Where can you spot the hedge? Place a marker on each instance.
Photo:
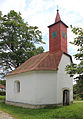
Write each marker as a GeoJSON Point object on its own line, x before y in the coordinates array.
{"type": "Point", "coordinates": [2, 93]}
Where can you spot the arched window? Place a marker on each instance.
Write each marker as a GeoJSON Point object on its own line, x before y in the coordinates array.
{"type": "Point", "coordinates": [17, 86]}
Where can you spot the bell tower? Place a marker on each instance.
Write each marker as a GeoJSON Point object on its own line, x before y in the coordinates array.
{"type": "Point", "coordinates": [58, 35]}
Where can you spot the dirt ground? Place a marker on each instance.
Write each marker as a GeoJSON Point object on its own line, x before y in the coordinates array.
{"type": "Point", "coordinates": [4, 115]}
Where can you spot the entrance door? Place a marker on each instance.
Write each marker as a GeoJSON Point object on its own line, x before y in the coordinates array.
{"type": "Point", "coordinates": [66, 97]}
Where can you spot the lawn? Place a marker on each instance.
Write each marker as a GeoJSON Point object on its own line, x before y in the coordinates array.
{"type": "Point", "coordinates": [2, 97]}
{"type": "Point", "coordinates": [74, 111]}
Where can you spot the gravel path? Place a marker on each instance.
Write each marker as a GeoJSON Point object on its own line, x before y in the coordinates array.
{"type": "Point", "coordinates": [4, 115]}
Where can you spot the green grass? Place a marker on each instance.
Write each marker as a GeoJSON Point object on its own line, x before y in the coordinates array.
{"type": "Point", "coordinates": [77, 100]}
{"type": "Point", "coordinates": [2, 97]}
{"type": "Point", "coordinates": [74, 111]}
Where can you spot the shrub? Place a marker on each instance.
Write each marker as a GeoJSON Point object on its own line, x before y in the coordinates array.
{"type": "Point", "coordinates": [2, 93]}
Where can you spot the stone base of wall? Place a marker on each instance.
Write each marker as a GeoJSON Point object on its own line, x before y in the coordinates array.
{"type": "Point", "coordinates": [24, 105]}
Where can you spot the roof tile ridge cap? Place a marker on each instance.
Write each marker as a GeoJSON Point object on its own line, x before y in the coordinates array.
{"type": "Point", "coordinates": [47, 53]}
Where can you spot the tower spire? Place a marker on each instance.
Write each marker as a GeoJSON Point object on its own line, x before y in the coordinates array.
{"type": "Point", "coordinates": [57, 16]}
{"type": "Point", "coordinates": [58, 35]}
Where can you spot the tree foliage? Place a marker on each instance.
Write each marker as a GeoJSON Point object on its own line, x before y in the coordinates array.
{"type": "Point", "coordinates": [78, 89]}
{"type": "Point", "coordinates": [3, 82]}
{"type": "Point", "coordinates": [77, 68]}
{"type": "Point", "coordinates": [78, 41]}
{"type": "Point", "coordinates": [17, 41]}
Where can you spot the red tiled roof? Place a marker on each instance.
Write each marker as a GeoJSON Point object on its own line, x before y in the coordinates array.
{"type": "Point", "coordinates": [1, 86]}
{"type": "Point", "coordinates": [44, 61]}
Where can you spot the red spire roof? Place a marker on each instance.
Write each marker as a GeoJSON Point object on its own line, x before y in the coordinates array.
{"type": "Point", "coordinates": [57, 17]}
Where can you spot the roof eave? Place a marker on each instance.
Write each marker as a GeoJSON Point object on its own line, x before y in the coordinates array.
{"type": "Point", "coordinates": [69, 56]}
{"type": "Point", "coordinates": [56, 23]}
{"type": "Point", "coordinates": [53, 69]}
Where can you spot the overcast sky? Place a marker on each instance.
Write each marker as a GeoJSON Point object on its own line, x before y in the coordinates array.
{"type": "Point", "coordinates": [42, 13]}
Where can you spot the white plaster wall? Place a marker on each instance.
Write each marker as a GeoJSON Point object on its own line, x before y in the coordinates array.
{"type": "Point", "coordinates": [36, 87]}
{"type": "Point", "coordinates": [27, 88]}
{"type": "Point", "coordinates": [41, 87]}
{"type": "Point", "coordinates": [46, 87]}
{"type": "Point", "coordinates": [64, 80]}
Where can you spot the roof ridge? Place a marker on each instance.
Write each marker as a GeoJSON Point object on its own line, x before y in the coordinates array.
{"type": "Point", "coordinates": [28, 60]}
{"type": "Point", "coordinates": [56, 23]}
{"type": "Point", "coordinates": [41, 59]}
{"type": "Point", "coordinates": [35, 56]}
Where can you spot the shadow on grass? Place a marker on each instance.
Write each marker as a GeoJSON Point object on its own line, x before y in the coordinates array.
{"type": "Point", "coordinates": [52, 107]}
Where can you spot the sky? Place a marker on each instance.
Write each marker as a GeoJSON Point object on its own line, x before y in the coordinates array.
{"type": "Point", "coordinates": [42, 13]}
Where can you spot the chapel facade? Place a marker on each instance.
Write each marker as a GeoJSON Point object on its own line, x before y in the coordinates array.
{"type": "Point", "coordinates": [42, 79]}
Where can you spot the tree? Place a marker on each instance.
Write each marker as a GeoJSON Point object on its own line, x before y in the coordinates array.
{"type": "Point", "coordinates": [77, 68]}
{"type": "Point", "coordinates": [3, 82]}
{"type": "Point", "coordinates": [78, 89]}
{"type": "Point", "coordinates": [17, 41]}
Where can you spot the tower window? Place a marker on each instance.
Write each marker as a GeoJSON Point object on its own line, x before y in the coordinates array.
{"type": "Point", "coordinates": [63, 34]}
{"type": "Point", "coordinates": [54, 34]}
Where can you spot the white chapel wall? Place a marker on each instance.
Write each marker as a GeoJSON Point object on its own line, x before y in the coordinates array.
{"type": "Point", "coordinates": [27, 88]}
{"type": "Point", "coordinates": [41, 87]}
{"type": "Point", "coordinates": [64, 80]}
{"type": "Point", "coordinates": [35, 88]}
{"type": "Point", "coordinates": [46, 87]}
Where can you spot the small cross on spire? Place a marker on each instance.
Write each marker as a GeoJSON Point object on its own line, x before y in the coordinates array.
{"type": "Point", "coordinates": [57, 15]}
{"type": "Point", "coordinates": [57, 8]}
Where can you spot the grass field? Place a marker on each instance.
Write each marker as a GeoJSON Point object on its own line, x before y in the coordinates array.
{"type": "Point", "coordinates": [2, 97]}
{"type": "Point", "coordinates": [74, 111]}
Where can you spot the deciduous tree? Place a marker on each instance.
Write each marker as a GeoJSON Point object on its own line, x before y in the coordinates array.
{"type": "Point", "coordinates": [77, 68]}
{"type": "Point", "coordinates": [17, 41]}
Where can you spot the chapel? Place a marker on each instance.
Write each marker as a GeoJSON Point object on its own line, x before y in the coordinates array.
{"type": "Point", "coordinates": [42, 80]}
